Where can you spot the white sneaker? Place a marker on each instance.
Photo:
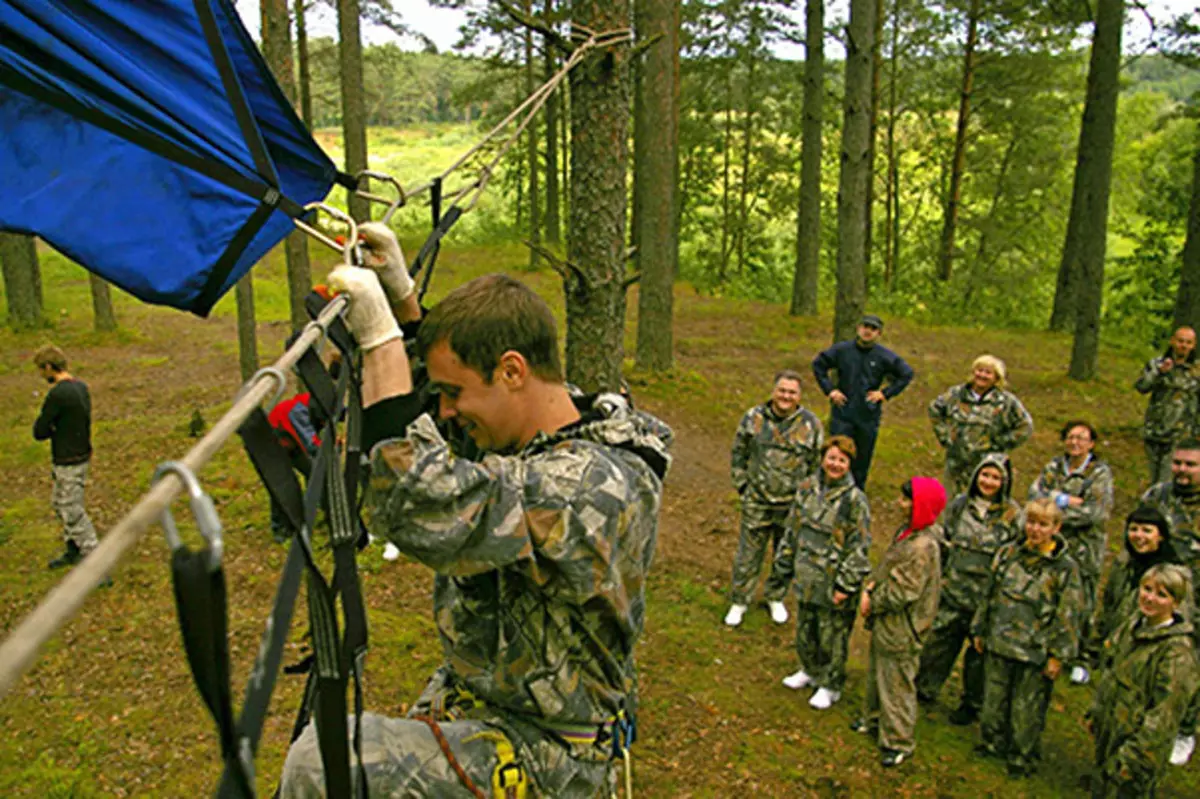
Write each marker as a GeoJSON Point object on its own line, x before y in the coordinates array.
{"type": "Point", "coordinates": [734, 617]}
{"type": "Point", "coordinates": [823, 699]}
{"type": "Point", "coordinates": [390, 551]}
{"type": "Point", "coordinates": [1080, 676]}
{"type": "Point", "coordinates": [779, 613]}
{"type": "Point", "coordinates": [1182, 751]}
{"type": "Point", "coordinates": [797, 681]}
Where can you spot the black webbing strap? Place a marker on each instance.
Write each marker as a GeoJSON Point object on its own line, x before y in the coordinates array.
{"type": "Point", "coordinates": [203, 621]}
{"type": "Point", "coordinates": [318, 382]}
{"type": "Point", "coordinates": [427, 256]}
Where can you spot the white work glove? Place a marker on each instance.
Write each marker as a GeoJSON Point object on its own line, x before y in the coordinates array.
{"type": "Point", "coordinates": [369, 316]}
{"type": "Point", "coordinates": [382, 253]}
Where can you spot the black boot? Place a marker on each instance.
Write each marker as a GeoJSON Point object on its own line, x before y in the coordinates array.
{"type": "Point", "coordinates": [963, 715]}
{"type": "Point", "coordinates": [70, 557]}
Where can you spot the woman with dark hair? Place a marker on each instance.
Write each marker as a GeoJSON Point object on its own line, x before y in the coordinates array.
{"type": "Point", "coordinates": [1081, 484]}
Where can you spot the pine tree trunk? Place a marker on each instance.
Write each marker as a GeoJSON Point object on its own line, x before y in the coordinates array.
{"type": "Point", "coordinates": [958, 160]}
{"type": "Point", "coordinates": [726, 159]}
{"type": "Point", "coordinates": [1094, 161]}
{"type": "Point", "coordinates": [744, 180]}
{"type": "Point", "coordinates": [553, 223]}
{"type": "Point", "coordinates": [277, 51]}
{"type": "Point", "coordinates": [354, 114]}
{"type": "Point", "coordinates": [531, 146]}
{"type": "Point", "coordinates": [1187, 301]}
{"type": "Point", "coordinates": [104, 320]}
{"type": "Point", "coordinates": [305, 79]}
{"type": "Point", "coordinates": [655, 175]}
{"type": "Point", "coordinates": [22, 281]}
{"type": "Point", "coordinates": [891, 240]}
{"type": "Point", "coordinates": [876, 76]}
{"type": "Point", "coordinates": [808, 218]}
{"type": "Point", "coordinates": [595, 301]}
{"type": "Point", "coordinates": [246, 327]}
{"type": "Point", "coordinates": [855, 171]}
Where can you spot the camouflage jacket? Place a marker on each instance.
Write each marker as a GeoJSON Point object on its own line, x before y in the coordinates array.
{"type": "Point", "coordinates": [970, 539]}
{"type": "Point", "coordinates": [541, 557]}
{"type": "Point", "coordinates": [1184, 517]}
{"type": "Point", "coordinates": [771, 455]}
{"type": "Point", "coordinates": [826, 541]}
{"type": "Point", "coordinates": [1034, 605]}
{"type": "Point", "coordinates": [905, 597]}
{"type": "Point", "coordinates": [1174, 400]}
{"type": "Point", "coordinates": [1118, 600]}
{"type": "Point", "coordinates": [967, 427]}
{"type": "Point", "coordinates": [1147, 676]}
{"type": "Point", "coordinates": [1082, 526]}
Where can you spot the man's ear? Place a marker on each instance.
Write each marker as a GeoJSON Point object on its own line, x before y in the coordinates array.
{"type": "Point", "coordinates": [512, 370]}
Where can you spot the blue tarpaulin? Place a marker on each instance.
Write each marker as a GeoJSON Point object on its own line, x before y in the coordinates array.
{"type": "Point", "coordinates": [148, 141]}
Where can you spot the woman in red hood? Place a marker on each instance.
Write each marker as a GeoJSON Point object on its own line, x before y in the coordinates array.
{"type": "Point", "coordinates": [898, 606]}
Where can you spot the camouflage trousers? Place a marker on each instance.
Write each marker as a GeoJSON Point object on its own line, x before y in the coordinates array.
{"type": "Point", "coordinates": [1016, 696]}
{"type": "Point", "coordinates": [951, 628]}
{"type": "Point", "coordinates": [761, 525]}
{"type": "Point", "coordinates": [891, 704]}
{"type": "Point", "coordinates": [67, 501]}
{"type": "Point", "coordinates": [1158, 459]}
{"type": "Point", "coordinates": [823, 642]}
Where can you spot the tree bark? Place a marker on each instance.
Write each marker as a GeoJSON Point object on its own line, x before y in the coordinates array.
{"type": "Point", "coordinates": [876, 76]}
{"type": "Point", "coordinates": [595, 297]}
{"type": "Point", "coordinates": [354, 114]}
{"type": "Point", "coordinates": [104, 320]}
{"type": "Point", "coordinates": [655, 176]}
{"type": "Point", "coordinates": [749, 103]}
{"type": "Point", "coordinates": [726, 159]}
{"type": "Point", "coordinates": [891, 234]}
{"type": "Point", "coordinates": [246, 327]}
{"type": "Point", "coordinates": [553, 222]}
{"type": "Point", "coordinates": [958, 160]}
{"type": "Point", "coordinates": [808, 218]}
{"type": "Point", "coordinates": [855, 171]}
{"type": "Point", "coordinates": [305, 79]}
{"type": "Point", "coordinates": [1094, 163]}
{"type": "Point", "coordinates": [531, 146]}
{"type": "Point", "coordinates": [1187, 301]}
{"type": "Point", "coordinates": [22, 281]}
{"type": "Point", "coordinates": [277, 51]}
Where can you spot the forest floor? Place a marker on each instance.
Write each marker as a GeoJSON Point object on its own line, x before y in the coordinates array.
{"type": "Point", "coordinates": [110, 709]}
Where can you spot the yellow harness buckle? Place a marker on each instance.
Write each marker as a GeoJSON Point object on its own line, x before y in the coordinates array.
{"type": "Point", "coordinates": [508, 778]}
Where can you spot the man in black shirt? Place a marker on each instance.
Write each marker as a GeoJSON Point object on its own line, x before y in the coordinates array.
{"type": "Point", "coordinates": [66, 419]}
{"type": "Point", "coordinates": [862, 367]}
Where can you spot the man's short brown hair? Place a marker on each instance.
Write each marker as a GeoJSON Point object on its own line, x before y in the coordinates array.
{"type": "Point", "coordinates": [488, 316]}
{"type": "Point", "coordinates": [51, 356]}
{"type": "Point", "coordinates": [787, 374]}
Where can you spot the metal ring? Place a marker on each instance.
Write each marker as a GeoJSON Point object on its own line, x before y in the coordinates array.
{"type": "Point", "coordinates": [392, 205]}
{"type": "Point", "coordinates": [349, 249]}
{"type": "Point", "coordinates": [281, 384]}
{"type": "Point", "coordinates": [203, 511]}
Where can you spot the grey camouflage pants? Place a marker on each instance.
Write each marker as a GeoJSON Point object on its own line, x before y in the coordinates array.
{"type": "Point", "coordinates": [823, 642]}
{"type": "Point", "coordinates": [1016, 697]}
{"type": "Point", "coordinates": [891, 703]}
{"type": "Point", "coordinates": [1158, 458]}
{"type": "Point", "coordinates": [762, 525]}
{"type": "Point", "coordinates": [67, 500]}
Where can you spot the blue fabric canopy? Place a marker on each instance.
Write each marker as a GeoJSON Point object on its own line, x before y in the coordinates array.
{"type": "Point", "coordinates": [147, 140]}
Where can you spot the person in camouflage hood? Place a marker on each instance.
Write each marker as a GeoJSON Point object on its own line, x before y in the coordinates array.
{"type": "Point", "coordinates": [541, 550]}
{"type": "Point", "coordinates": [1026, 627]}
{"type": "Point", "coordinates": [825, 546]}
{"type": "Point", "coordinates": [1148, 671]}
{"type": "Point", "coordinates": [777, 445]}
{"type": "Point", "coordinates": [978, 417]}
{"type": "Point", "coordinates": [898, 605]}
{"type": "Point", "coordinates": [1081, 484]}
{"type": "Point", "coordinates": [1173, 382]}
{"type": "Point", "coordinates": [975, 525]}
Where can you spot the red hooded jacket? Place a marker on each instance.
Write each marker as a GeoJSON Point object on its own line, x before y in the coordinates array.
{"type": "Point", "coordinates": [929, 498]}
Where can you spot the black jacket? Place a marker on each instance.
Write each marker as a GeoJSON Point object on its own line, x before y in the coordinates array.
{"type": "Point", "coordinates": [859, 371]}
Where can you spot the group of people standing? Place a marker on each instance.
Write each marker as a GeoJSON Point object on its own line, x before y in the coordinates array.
{"type": "Point", "coordinates": [1018, 587]}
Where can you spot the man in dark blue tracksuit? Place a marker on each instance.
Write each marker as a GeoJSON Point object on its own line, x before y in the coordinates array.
{"type": "Point", "coordinates": [862, 367]}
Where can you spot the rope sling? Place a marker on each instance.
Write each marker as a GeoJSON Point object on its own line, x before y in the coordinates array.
{"type": "Point", "coordinates": [334, 485]}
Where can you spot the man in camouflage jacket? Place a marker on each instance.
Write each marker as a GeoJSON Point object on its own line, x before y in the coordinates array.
{"type": "Point", "coordinates": [825, 548]}
{"type": "Point", "coordinates": [1173, 382]}
{"type": "Point", "coordinates": [1026, 628]}
{"type": "Point", "coordinates": [776, 446]}
{"type": "Point", "coordinates": [1081, 484]}
{"type": "Point", "coordinates": [541, 549]}
{"type": "Point", "coordinates": [975, 418]}
{"type": "Point", "coordinates": [972, 529]}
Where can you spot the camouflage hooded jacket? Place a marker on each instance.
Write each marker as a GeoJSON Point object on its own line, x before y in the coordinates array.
{"type": "Point", "coordinates": [1183, 513]}
{"type": "Point", "coordinates": [1147, 676]}
{"type": "Point", "coordinates": [970, 538]}
{"type": "Point", "coordinates": [541, 556]}
{"type": "Point", "coordinates": [772, 454]}
{"type": "Point", "coordinates": [1033, 608]}
{"type": "Point", "coordinates": [826, 541]}
{"type": "Point", "coordinates": [1082, 526]}
{"type": "Point", "coordinates": [967, 427]}
{"type": "Point", "coordinates": [1174, 399]}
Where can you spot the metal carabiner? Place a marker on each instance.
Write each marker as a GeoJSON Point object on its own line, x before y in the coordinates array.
{"type": "Point", "coordinates": [392, 205]}
{"type": "Point", "coordinates": [280, 385]}
{"type": "Point", "coordinates": [350, 250]}
{"type": "Point", "coordinates": [203, 511]}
